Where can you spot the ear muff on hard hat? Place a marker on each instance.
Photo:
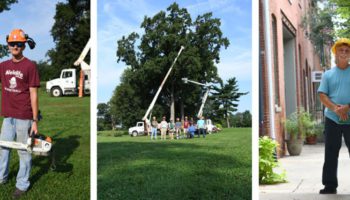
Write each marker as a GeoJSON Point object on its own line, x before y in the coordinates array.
{"type": "Point", "coordinates": [18, 35]}
{"type": "Point", "coordinates": [339, 42]}
{"type": "Point", "coordinates": [31, 43]}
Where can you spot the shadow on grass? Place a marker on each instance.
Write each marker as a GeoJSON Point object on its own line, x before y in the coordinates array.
{"type": "Point", "coordinates": [62, 149]}
{"type": "Point", "coordinates": [163, 170]}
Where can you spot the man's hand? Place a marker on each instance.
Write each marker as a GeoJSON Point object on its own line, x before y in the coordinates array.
{"type": "Point", "coordinates": [34, 128]}
{"type": "Point", "coordinates": [342, 112]}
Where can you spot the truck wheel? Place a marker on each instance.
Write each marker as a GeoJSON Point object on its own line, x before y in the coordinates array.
{"type": "Point", "coordinates": [134, 133]}
{"type": "Point", "coordinates": [56, 92]}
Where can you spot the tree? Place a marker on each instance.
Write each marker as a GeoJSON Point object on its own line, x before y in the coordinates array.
{"type": "Point", "coordinates": [342, 8]}
{"type": "Point", "coordinates": [247, 119]}
{"type": "Point", "coordinates": [5, 5]}
{"type": "Point", "coordinates": [70, 32]}
{"type": "Point", "coordinates": [104, 120]}
{"type": "Point", "coordinates": [125, 105]}
{"type": "Point", "coordinates": [319, 27]}
{"type": "Point", "coordinates": [227, 97]}
{"type": "Point", "coordinates": [46, 71]}
{"type": "Point", "coordinates": [164, 34]}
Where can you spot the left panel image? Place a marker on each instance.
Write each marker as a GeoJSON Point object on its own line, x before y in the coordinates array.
{"type": "Point", "coordinates": [45, 99]}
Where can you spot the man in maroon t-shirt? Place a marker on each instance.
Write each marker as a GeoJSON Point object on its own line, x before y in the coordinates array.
{"type": "Point", "coordinates": [186, 126]}
{"type": "Point", "coordinates": [19, 82]}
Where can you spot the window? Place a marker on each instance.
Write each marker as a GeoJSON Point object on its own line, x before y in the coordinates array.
{"type": "Point", "coordinates": [67, 74]}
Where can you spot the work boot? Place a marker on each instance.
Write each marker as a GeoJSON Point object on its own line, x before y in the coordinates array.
{"type": "Point", "coordinates": [328, 190]}
{"type": "Point", "coordinates": [18, 193]}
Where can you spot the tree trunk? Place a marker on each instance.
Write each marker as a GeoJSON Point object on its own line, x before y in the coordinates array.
{"type": "Point", "coordinates": [182, 110]}
{"type": "Point", "coordinates": [228, 121]}
{"type": "Point", "coordinates": [112, 123]}
{"type": "Point", "coordinates": [172, 103]}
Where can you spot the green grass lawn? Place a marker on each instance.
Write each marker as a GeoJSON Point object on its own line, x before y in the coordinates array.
{"type": "Point", "coordinates": [67, 121]}
{"type": "Point", "coordinates": [217, 167]}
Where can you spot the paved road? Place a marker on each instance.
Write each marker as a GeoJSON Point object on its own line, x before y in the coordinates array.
{"type": "Point", "coordinates": [304, 175]}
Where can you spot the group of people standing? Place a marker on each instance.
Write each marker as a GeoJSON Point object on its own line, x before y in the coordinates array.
{"type": "Point", "coordinates": [181, 129]}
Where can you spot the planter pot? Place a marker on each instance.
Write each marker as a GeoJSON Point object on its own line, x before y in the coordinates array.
{"type": "Point", "coordinates": [311, 139]}
{"type": "Point", "coordinates": [294, 147]}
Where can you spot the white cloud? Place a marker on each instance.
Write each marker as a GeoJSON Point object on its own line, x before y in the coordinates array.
{"type": "Point", "coordinates": [236, 62]}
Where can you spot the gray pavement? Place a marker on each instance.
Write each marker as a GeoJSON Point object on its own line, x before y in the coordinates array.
{"type": "Point", "coordinates": [304, 176]}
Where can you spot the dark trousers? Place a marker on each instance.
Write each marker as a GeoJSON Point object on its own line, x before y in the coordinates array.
{"type": "Point", "coordinates": [201, 131]}
{"type": "Point", "coordinates": [333, 141]}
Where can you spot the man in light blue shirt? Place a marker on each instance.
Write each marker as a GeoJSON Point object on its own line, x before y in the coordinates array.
{"type": "Point", "coordinates": [201, 126]}
{"type": "Point", "coordinates": [334, 92]}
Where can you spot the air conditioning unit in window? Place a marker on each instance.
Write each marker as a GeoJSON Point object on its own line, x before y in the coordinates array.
{"type": "Point", "coordinates": [316, 76]}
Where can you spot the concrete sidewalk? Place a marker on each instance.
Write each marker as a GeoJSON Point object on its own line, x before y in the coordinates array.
{"type": "Point", "coordinates": [304, 176]}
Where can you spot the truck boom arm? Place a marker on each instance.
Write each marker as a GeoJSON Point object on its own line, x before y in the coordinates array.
{"type": "Point", "coordinates": [161, 86]}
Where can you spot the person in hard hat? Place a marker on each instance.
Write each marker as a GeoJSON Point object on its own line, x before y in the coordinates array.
{"type": "Point", "coordinates": [178, 126]}
{"type": "Point", "coordinates": [201, 126]}
{"type": "Point", "coordinates": [186, 126]}
{"type": "Point", "coordinates": [171, 126]}
{"type": "Point", "coordinates": [20, 82]}
{"type": "Point", "coordinates": [191, 130]}
{"type": "Point", "coordinates": [154, 126]}
{"type": "Point", "coordinates": [163, 128]}
{"type": "Point", "coordinates": [335, 95]}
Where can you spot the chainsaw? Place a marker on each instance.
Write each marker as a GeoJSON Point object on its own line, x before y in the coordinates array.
{"type": "Point", "coordinates": [37, 144]}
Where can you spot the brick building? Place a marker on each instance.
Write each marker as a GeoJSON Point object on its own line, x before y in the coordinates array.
{"type": "Point", "coordinates": [287, 60]}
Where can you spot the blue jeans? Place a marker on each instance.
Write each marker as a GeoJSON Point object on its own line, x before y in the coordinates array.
{"type": "Point", "coordinates": [154, 133]}
{"type": "Point", "coordinates": [16, 128]}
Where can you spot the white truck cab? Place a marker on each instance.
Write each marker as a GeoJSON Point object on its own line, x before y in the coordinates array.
{"type": "Point", "coordinates": [67, 84]}
{"type": "Point", "coordinates": [139, 129]}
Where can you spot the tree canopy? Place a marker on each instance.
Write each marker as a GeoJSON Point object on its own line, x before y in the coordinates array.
{"type": "Point", "coordinates": [149, 57]}
{"type": "Point", "coordinates": [70, 32]}
{"type": "Point", "coordinates": [342, 8]}
{"type": "Point", "coordinates": [225, 99]}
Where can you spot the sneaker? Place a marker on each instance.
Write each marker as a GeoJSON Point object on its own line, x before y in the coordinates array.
{"type": "Point", "coordinates": [18, 193]}
{"type": "Point", "coordinates": [328, 191]}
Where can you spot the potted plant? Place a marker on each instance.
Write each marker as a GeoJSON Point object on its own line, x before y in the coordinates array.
{"type": "Point", "coordinates": [313, 133]}
{"type": "Point", "coordinates": [297, 125]}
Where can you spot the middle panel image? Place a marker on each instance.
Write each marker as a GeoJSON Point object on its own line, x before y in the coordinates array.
{"type": "Point", "coordinates": [174, 100]}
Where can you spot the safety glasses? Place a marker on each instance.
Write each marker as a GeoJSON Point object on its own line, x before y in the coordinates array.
{"type": "Point", "coordinates": [18, 44]}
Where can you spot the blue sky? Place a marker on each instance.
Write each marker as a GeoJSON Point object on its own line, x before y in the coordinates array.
{"type": "Point", "coordinates": [122, 17]}
{"type": "Point", "coordinates": [36, 19]}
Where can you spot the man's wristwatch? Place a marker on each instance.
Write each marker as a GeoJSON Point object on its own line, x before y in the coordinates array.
{"type": "Point", "coordinates": [35, 120]}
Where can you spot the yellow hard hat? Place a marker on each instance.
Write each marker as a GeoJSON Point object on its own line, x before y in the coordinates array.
{"type": "Point", "coordinates": [339, 42]}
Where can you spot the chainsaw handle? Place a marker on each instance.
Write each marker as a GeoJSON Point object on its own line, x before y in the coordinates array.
{"type": "Point", "coordinates": [32, 135]}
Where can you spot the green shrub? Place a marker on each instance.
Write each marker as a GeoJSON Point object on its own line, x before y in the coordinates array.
{"type": "Point", "coordinates": [120, 133]}
{"type": "Point", "coordinates": [267, 162]}
{"type": "Point", "coordinates": [218, 126]}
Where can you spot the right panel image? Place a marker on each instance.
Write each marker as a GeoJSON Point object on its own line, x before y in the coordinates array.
{"type": "Point", "coordinates": [174, 100]}
{"type": "Point", "coordinates": [304, 76]}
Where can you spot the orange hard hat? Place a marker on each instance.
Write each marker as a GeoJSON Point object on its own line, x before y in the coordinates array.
{"type": "Point", "coordinates": [17, 35]}
{"type": "Point", "coordinates": [345, 41]}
